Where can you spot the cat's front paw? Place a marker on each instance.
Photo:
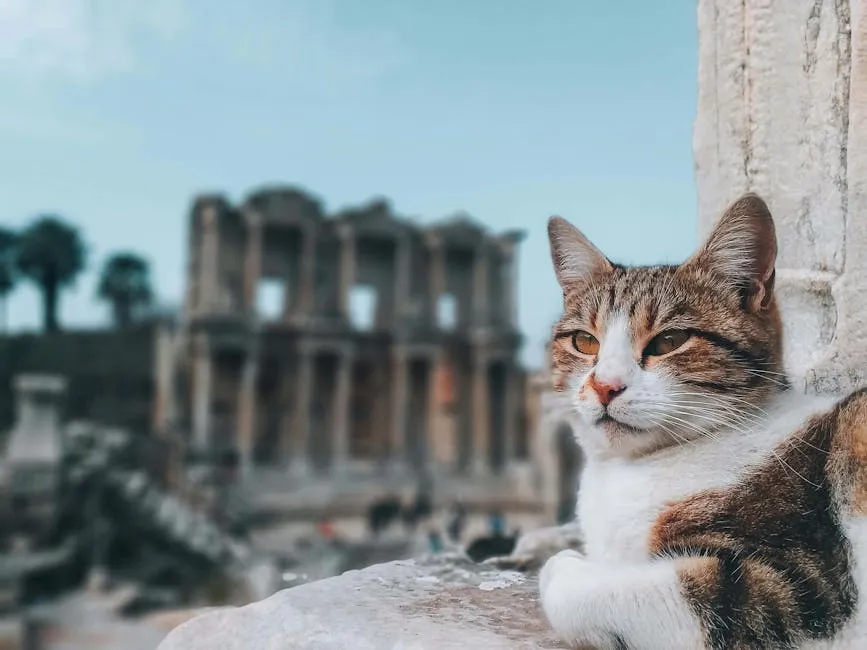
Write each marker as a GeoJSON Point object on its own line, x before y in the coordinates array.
{"type": "Point", "coordinates": [564, 560]}
{"type": "Point", "coordinates": [569, 587]}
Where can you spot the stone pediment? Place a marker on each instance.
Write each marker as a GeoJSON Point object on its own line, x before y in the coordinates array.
{"type": "Point", "coordinates": [460, 230]}
{"type": "Point", "coordinates": [514, 236]}
{"type": "Point", "coordinates": [284, 205]}
{"type": "Point", "coordinates": [374, 218]}
{"type": "Point", "coordinates": [216, 201]}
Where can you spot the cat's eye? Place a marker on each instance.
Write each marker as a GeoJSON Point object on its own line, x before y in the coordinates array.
{"type": "Point", "coordinates": [666, 342]}
{"type": "Point", "coordinates": [585, 343]}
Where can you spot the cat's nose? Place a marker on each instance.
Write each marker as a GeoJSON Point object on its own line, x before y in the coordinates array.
{"type": "Point", "coordinates": [606, 390]}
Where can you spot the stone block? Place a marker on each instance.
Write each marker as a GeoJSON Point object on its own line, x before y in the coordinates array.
{"type": "Point", "coordinates": [432, 603]}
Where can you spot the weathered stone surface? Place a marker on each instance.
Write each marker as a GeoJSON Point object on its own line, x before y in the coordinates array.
{"type": "Point", "coordinates": [782, 110]}
{"type": "Point", "coordinates": [433, 603]}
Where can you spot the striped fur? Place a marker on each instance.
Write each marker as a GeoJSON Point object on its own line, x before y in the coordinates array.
{"type": "Point", "coordinates": [721, 509]}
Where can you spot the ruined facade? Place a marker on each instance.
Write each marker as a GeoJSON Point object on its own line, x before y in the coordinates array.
{"type": "Point", "coordinates": [306, 382]}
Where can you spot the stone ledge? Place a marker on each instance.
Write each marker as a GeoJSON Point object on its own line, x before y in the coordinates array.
{"type": "Point", "coordinates": [432, 603]}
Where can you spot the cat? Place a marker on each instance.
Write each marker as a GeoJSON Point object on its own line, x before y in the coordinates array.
{"type": "Point", "coordinates": [720, 507]}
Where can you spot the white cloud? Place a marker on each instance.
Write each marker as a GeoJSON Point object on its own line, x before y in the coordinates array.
{"type": "Point", "coordinates": [306, 42]}
{"type": "Point", "coordinates": [80, 40]}
{"type": "Point", "coordinates": [90, 40]}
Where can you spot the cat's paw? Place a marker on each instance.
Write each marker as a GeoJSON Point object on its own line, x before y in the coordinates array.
{"type": "Point", "coordinates": [566, 560]}
{"type": "Point", "coordinates": [569, 588]}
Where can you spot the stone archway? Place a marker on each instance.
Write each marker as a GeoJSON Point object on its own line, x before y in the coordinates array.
{"type": "Point", "coordinates": [570, 463]}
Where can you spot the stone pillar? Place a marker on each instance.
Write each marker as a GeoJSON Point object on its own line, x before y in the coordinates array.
{"type": "Point", "coordinates": [481, 412]}
{"type": "Point", "coordinates": [435, 422]}
{"type": "Point", "coordinates": [209, 265]}
{"type": "Point", "coordinates": [399, 396]}
{"type": "Point", "coordinates": [436, 275]}
{"type": "Point", "coordinates": [782, 111]}
{"type": "Point", "coordinates": [247, 403]}
{"type": "Point", "coordinates": [288, 399]}
{"type": "Point", "coordinates": [509, 287]}
{"type": "Point", "coordinates": [253, 259]}
{"type": "Point", "coordinates": [512, 404]}
{"type": "Point", "coordinates": [300, 460]}
{"type": "Point", "coordinates": [307, 287]}
{"type": "Point", "coordinates": [165, 351]}
{"type": "Point", "coordinates": [402, 280]}
{"type": "Point", "coordinates": [347, 268]}
{"type": "Point", "coordinates": [481, 287]}
{"type": "Point", "coordinates": [342, 409]}
{"type": "Point", "coordinates": [202, 377]}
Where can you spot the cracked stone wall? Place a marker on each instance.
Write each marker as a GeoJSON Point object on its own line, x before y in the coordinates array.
{"type": "Point", "coordinates": [782, 111]}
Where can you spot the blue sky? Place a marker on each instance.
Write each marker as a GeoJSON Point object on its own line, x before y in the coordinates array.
{"type": "Point", "coordinates": [114, 113]}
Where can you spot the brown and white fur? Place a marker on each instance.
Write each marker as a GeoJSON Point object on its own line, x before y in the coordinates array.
{"type": "Point", "coordinates": [720, 508]}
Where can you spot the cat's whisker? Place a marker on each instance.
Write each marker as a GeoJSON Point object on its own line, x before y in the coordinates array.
{"type": "Point", "coordinates": [680, 440]}
{"type": "Point", "coordinates": [715, 411]}
{"type": "Point", "coordinates": [726, 422]}
{"type": "Point", "coordinates": [723, 415]}
{"type": "Point", "coordinates": [786, 466]}
{"type": "Point", "coordinates": [718, 398]}
{"type": "Point", "coordinates": [709, 405]}
{"type": "Point", "coordinates": [771, 372]}
{"type": "Point", "coordinates": [691, 426]}
{"type": "Point", "coordinates": [763, 375]}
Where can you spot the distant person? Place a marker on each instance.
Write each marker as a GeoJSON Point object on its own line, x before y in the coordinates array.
{"type": "Point", "coordinates": [496, 523]}
{"type": "Point", "coordinates": [325, 529]}
{"type": "Point", "coordinates": [382, 513]}
{"type": "Point", "coordinates": [435, 541]}
{"type": "Point", "coordinates": [497, 545]}
{"type": "Point", "coordinates": [457, 519]}
{"type": "Point", "coordinates": [421, 508]}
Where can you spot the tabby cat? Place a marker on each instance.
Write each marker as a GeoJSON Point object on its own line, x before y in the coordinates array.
{"type": "Point", "coordinates": [720, 507]}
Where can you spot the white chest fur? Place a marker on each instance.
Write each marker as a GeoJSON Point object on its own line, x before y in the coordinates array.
{"type": "Point", "coordinates": [619, 499]}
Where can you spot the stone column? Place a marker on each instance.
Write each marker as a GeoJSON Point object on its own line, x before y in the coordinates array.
{"type": "Point", "coordinates": [165, 355]}
{"type": "Point", "coordinates": [300, 460]}
{"type": "Point", "coordinates": [434, 424]}
{"type": "Point", "coordinates": [347, 268]}
{"type": "Point", "coordinates": [307, 287]}
{"type": "Point", "coordinates": [253, 259]}
{"type": "Point", "coordinates": [481, 412]}
{"type": "Point", "coordinates": [202, 372]}
{"type": "Point", "coordinates": [342, 409]}
{"type": "Point", "coordinates": [782, 111]}
{"type": "Point", "coordinates": [402, 280]}
{"type": "Point", "coordinates": [481, 287]}
{"type": "Point", "coordinates": [509, 287]}
{"type": "Point", "coordinates": [399, 396]}
{"type": "Point", "coordinates": [512, 404]}
{"type": "Point", "coordinates": [209, 265]}
{"type": "Point", "coordinates": [247, 402]}
{"type": "Point", "coordinates": [436, 275]}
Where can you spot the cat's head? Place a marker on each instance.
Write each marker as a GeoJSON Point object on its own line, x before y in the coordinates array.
{"type": "Point", "coordinates": [660, 355]}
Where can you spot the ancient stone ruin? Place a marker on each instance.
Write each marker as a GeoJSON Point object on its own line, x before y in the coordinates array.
{"type": "Point", "coordinates": [307, 385]}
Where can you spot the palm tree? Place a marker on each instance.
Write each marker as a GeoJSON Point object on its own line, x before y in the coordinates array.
{"type": "Point", "coordinates": [125, 283]}
{"type": "Point", "coordinates": [51, 254]}
{"type": "Point", "coordinates": [8, 276]}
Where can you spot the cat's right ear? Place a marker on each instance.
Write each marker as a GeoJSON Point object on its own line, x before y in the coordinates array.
{"type": "Point", "coordinates": [575, 258]}
{"type": "Point", "coordinates": [741, 250]}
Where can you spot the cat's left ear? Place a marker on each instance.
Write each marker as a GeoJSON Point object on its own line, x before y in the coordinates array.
{"type": "Point", "coordinates": [575, 258]}
{"type": "Point", "coordinates": [742, 250]}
